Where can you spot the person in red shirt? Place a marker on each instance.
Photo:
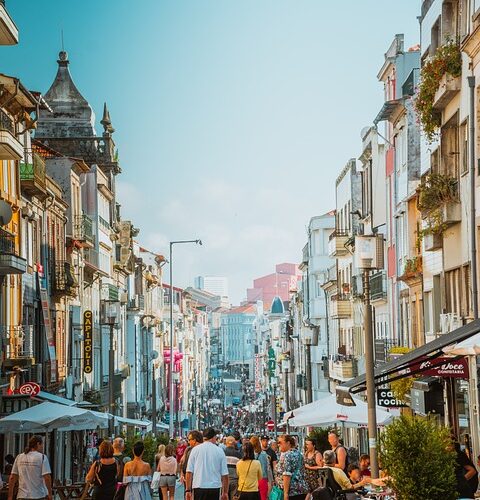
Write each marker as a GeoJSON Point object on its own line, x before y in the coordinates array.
{"type": "Point", "coordinates": [364, 464]}
{"type": "Point", "coordinates": [181, 447]}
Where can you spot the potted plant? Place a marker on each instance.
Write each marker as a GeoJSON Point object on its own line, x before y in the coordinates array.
{"type": "Point", "coordinates": [418, 457]}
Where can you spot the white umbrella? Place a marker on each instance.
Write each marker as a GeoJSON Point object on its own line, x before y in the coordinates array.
{"type": "Point", "coordinates": [48, 416]}
{"type": "Point", "coordinates": [327, 411]}
{"type": "Point", "coordinates": [468, 347]}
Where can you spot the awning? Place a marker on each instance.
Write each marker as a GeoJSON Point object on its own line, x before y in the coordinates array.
{"type": "Point", "coordinates": [46, 396]}
{"type": "Point", "coordinates": [133, 421]}
{"type": "Point", "coordinates": [404, 365]}
{"type": "Point", "coordinates": [389, 108]}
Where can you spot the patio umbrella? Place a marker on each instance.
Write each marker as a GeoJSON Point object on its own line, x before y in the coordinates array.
{"type": "Point", "coordinates": [468, 347]}
{"type": "Point", "coordinates": [327, 411]}
{"type": "Point", "coordinates": [48, 416]}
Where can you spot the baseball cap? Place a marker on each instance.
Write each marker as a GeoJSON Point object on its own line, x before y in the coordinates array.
{"type": "Point", "coordinates": [264, 437]}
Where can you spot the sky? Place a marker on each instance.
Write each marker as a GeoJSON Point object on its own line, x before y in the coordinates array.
{"type": "Point", "coordinates": [232, 118]}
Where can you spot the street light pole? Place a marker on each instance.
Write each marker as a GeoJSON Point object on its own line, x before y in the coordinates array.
{"type": "Point", "coordinates": [172, 364]}
{"type": "Point", "coordinates": [111, 393]}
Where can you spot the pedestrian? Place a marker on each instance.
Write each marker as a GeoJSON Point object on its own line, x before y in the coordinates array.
{"type": "Point", "coordinates": [465, 473]}
{"type": "Point", "coordinates": [137, 475]}
{"type": "Point", "coordinates": [207, 472]}
{"type": "Point", "coordinates": [167, 466]}
{"type": "Point", "coordinates": [265, 483]}
{"type": "Point", "coordinates": [238, 439]}
{"type": "Point", "coordinates": [265, 440]}
{"type": "Point", "coordinates": [31, 471]}
{"type": "Point", "coordinates": [313, 462]}
{"type": "Point", "coordinates": [194, 439]}
{"type": "Point", "coordinates": [356, 478]}
{"type": "Point", "coordinates": [339, 450]}
{"type": "Point", "coordinates": [118, 449]}
{"type": "Point", "coordinates": [96, 456]}
{"type": "Point", "coordinates": [274, 446]}
{"type": "Point", "coordinates": [103, 473]}
{"type": "Point", "coordinates": [160, 453]}
{"type": "Point", "coordinates": [289, 472]}
{"type": "Point", "coordinates": [249, 471]}
{"type": "Point", "coordinates": [180, 450]}
{"type": "Point", "coordinates": [233, 456]}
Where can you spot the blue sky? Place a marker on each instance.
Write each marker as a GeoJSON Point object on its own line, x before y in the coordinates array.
{"type": "Point", "coordinates": [232, 118]}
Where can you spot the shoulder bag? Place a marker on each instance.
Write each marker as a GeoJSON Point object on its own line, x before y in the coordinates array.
{"type": "Point", "coordinates": [237, 495]}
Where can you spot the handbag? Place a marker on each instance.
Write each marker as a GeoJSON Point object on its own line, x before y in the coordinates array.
{"type": "Point", "coordinates": [238, 493]}
{"type": "Point", "coordinates": [276, 493]}
{"type": "Point", "coordinates": [155, 484]}
{"type": "Point", "coordinates": [120, 490]}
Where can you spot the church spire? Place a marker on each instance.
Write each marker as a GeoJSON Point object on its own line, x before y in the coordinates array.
{"type": "Point", "coordinates": [106, 121]}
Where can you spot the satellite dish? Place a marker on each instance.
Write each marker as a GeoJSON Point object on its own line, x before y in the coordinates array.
{"type": "Point", "coordinates": [5, 213]}
{"type": "Point", "coordinates": [154, 355]}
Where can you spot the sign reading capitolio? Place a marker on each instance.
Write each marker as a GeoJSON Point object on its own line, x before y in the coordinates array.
{"type": "Point", "coordinates": [87, 342]}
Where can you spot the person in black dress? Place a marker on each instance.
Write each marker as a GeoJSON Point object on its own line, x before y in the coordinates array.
{"type": "Point", "coordinates": [103, 473]}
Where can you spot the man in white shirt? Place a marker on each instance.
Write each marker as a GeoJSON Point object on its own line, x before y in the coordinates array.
{"type": "Point", "coordinates": [207, 471]}
{"type": "Point", "coordinates": [32, 472]}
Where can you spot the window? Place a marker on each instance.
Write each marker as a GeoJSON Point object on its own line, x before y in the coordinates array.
{"type": "Point", "coordinates": [427, 300]}
{"type": "Point", "coordinates": [457, 291]}
{"type": "Point", "coordinates": [435, 37]}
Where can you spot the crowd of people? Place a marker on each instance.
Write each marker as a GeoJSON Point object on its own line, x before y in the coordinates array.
{"type": "Point", "coordinates": [211, 467]}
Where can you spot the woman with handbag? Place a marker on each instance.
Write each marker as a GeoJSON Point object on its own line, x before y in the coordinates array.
{"type": "Point", "coordinates": [103, 473]}
{"type": "Point", "coordinates": [137, 475]}
{"type": "Point", "coordinates": [249, 473]}
{"type": "Point", "coordinates": [265, 484]}
{"type": "Point", "coordinates": [290, 483]}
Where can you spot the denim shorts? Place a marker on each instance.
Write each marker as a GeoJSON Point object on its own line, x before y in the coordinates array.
{"type": "Point", "coordinates": [167, 481]}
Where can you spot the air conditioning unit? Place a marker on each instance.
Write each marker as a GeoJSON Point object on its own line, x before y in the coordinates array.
{"type": "Point", "coordinates": [449, 322]}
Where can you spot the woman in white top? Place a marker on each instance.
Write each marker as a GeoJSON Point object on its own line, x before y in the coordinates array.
{"type": "Point", "coordinates": [137, 475]}
{"type": "Point", "coordinates": [167, 466]}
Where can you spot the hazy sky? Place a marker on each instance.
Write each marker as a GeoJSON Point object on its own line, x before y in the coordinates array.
{"type": "Point", "coordinates": [232, 118]}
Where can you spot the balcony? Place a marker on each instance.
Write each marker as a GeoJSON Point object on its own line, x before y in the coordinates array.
{"type": "Point", "coordinates": [340, 307]}
{"type": "Point", "coordinates": [413, 272]}
{"type": "Point", "coordinates": [83, 230]}
{"type": "Point", "coordinates": [432, 241]}
{"type": "Point", "coordinates": [8, 30]}
{"type": "Point", "coordinates": [137, 302]}
{"type": "Point", "coordinates": [32, 174]}
{"type": "Point", "coordinates": [336, 243]}
{"type": "Point", "coordinates": [64, 281]}
{"type": "Point", "coordinates": [17, 350]}
{"type": "Point", "coordinates": [449, 87]}
{"type": "Point", "coordinates": [451, 212]}
{"type": "Point", "coordinates": [378, 287]}
{"type": "Point", "coordinates": [10, 147]}
{"type": "Point", "coordinates": [342, 369]}
{"type": "Point", "coordinates": [10, 261]}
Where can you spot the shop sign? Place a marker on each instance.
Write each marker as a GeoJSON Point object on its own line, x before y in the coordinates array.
{"type": "Point", "coordinates": [445, 367]}
{"type": "Point", "coordinates": [29, 389]}
{"type": "Point", "coordinates": [49, 334]}
{"type": "Point", "coordinates": [386, 398]}
{"type": "Point", "coordinates": [87, 342]}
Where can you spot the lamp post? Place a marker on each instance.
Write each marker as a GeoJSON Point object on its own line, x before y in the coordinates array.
{"type": "Point", "coordinates": [172, 361]}
{"type": "Point", "coordinates": [111, 316]}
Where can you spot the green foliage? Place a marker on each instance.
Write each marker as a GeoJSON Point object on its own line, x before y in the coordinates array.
{"type": "Point", "coordinates": [413, 266]}
{"type": "Point", "coordinates": [417, 454]}
{"type": "Point", "coordinates": [447, 60]}
{"type": "Point", "coordinates": [402, 387]}
{"type": "Point", "coordinates": [319, 435]}
{"type": "Point", "coordinates": [434, 191]}
{"type": "Point", "coordinates": [151, 445]}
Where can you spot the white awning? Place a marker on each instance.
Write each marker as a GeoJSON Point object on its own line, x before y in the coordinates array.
{"type": "Point", "coordinates": [132, 421]}
{"type": "Point", "coordinates": [46, 396]}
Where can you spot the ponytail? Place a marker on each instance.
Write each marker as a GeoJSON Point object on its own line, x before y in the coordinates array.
{"type": "Point", "coordinates": [33, 442]}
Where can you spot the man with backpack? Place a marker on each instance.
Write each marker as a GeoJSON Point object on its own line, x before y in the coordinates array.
{"type": "Point", "coordinates": [119, 456]}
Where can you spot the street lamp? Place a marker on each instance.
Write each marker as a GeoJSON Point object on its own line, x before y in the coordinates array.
{"type": "Point", "coordinates": [172, 362]}
{"type": "Point", "coordinates": [111, 317]}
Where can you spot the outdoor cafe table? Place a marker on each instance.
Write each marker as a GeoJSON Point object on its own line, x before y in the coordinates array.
{"type": "Point", "coordinates": [66, 492]}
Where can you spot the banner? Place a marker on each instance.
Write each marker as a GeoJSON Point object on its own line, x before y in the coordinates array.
{"type": "Point", "coordinates": [47, 323]}
{"type": "Point", "coordinates": [445, 367]}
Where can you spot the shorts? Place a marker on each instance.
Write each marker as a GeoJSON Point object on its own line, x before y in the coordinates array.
{"type": "Point", "coordinates": [167, 481]}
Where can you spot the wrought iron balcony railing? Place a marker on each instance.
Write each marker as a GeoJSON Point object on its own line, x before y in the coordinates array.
{"type": "Point", "coordinates": [64, 280]}
{"type": "Point", "coordinates": [7, 243]}
{"type": "Point", "coordinates": [6, 123]}
{"type": "Point", "coordinates": [83, 228]}
{"type": "Point", "coordinates": [17, 342]}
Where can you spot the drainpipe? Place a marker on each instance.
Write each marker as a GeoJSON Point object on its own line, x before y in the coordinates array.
{"type": "Point", "coordinates": [472, 360]}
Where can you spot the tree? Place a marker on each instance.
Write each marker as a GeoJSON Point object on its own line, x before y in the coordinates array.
{"type": "Point", "coordinates": [418, 457]}
{"type": "Point", "coordinates": [319, 435]}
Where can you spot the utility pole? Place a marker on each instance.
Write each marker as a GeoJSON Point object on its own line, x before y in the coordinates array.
{"type": "Point", "coordinates": [154, 402]}
{"type": "Point", "coordinates": [111, 392]}
{"type": "Point", "coordinates": [370, 377]}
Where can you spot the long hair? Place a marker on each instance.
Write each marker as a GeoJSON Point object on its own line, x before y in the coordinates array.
{"type": "Point", "coordinates": [248, 452]}
{"type": "Point", "coordinates": [138, 448]}
{"type": "Point", "coordinates": [33, 442]}
{"type": "Point", "coordinates": [256, 444]}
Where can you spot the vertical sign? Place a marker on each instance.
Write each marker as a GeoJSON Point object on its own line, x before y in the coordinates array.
{"type": "Point", "coordinates": [87, 342]}
{"type": "Point", "coordinates": [258, 373]}
{"type": "Point", "coordinates": [47, 323]}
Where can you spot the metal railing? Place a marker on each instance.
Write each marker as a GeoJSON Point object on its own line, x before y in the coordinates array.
{"type": "Point", "coordinates": [339, 232]}
{"type": "Point", "coordinates": [103, 223]}
{"type": "Point", "coordinates": [378, 286]}
{"type": "Point", "coordinates": [64, 280]}
{"type": "Point", "coordinates": [91, 256]}
{"type": "Point", "coordinates": [17, 341]}
{"type": "Point", "coordinates": [7, 243]}
{"type": "Point", "coordinates": [83, 228]}
{"type": "Point", "coordinates": [33, 169]}
{"type": "Point", "coordinates": [6, 123]}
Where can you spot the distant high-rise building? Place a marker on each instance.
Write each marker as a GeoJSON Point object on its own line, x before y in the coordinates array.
{"type": "Point", "coordinates": [217, 285]}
